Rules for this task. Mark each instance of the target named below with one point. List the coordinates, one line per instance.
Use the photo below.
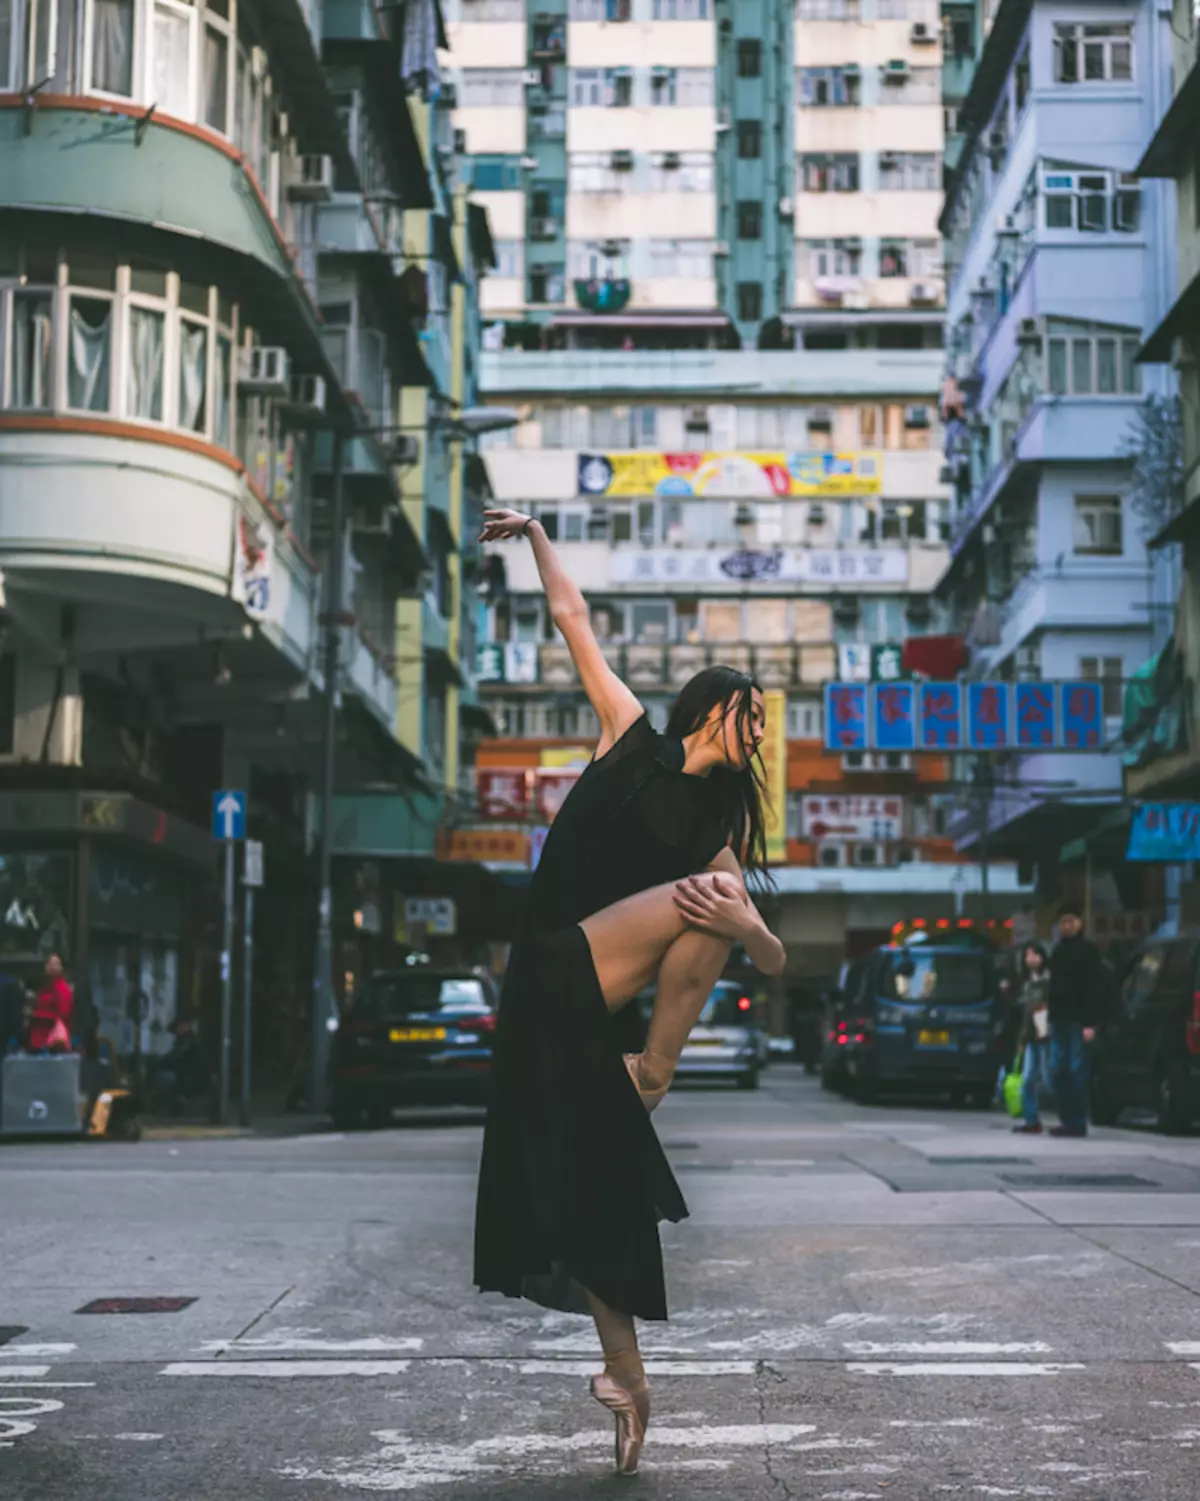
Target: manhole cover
(11, 1331)
(1077, 1180)
(136, 1305)
(981, 1161)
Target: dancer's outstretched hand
(499, 525)
(717, 905)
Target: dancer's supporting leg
(644, 938)
(622, 1388)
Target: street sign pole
(226, 983)
(252, 876)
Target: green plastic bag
(1012, 1088)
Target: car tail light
(1193, 1026)
(485, 1023)
(744, 1003)
(843, 1039)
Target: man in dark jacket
(1079, 992)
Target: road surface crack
(762, 1370)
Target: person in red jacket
(53, 1011)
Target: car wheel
(1105, 1109)
(1174, 1113)
(748, 1080)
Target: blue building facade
(1058, 262)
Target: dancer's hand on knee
(716, 906)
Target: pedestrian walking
(53, 1011)
(1078, 1005)
(639, 882)
(1033, 1036)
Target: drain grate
(11, 1331)
(136, 1305)
(981, 1161)
(1078, 1180)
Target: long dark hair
(1037, 948)
(743, 788)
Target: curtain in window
(6, 35)
(172, 60)
(193, 376)
(224, 436)
(89, 336)
(32, 346)
(216, 79)
(112, 46)
(144, 385)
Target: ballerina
(639, 882)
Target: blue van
(926, 1016)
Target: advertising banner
(774, 758)
(846, 716)
(253, 555)
(858, 818)
(828, 567)
(1168, 832)
(735, 475)
(894, 716)
(977, 716)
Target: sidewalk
(267, 1118)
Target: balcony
(1074, 596)
(610, 295)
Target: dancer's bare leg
(622, 1358)
(644, 939)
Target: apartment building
(1059, 261)
(718, 312)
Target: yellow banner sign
(750, 476)
(774, 758)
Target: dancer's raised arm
(616, 705)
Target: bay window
(89, 352)
(145, 366)
(1085, 360)
(33, 343)
(112, 27)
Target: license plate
(417, 1034)
(933, 1039)
(704, 1042)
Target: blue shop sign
(1166, 832)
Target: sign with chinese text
(551, 789)
(939, 707)
(489, 662)
(1082, 716)
(989, 725)
(737, 475)
(499, 846)
(858, 818)
(846, 717)
(887, 664)
(502, 792)
(894, 716)
(774, 759)
(854, 662)
(1036, 711)
(833, 567)
(1168, 832)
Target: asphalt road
(905, 1302)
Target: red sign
(553, 785)
(502, 792)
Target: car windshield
(722, 1010)
(386, 996)
(945, 978)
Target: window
(547, 284)
(112, 47)
(820, 173)
(911, 171)
(919, 86)
(893, 258)
(681, 172)
(1110, 672)
(749, 58)
(494, 88)
(145, 374)
(749, 139)
(1021, 81)
(827, 10)
(749, 219)
(600, 88)
(681, 10)
(821, 88)
(1093, 202)
(749, 301)
(1093, 54)
(960, 40)
(593, 172)
(510, 258)
(682, 258)
(597, 10)
(32, 350)
(831, 258)
(605, 260)
(1082, 360)
(495, 174)
(662, 86)
(1098, 526)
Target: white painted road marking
(279, 1369)
(1186, 1347)
(11, 1372)
(962, 1368)
(946, 1347)
(296, 1344)
(35, 1352)
(653, 1367)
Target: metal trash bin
(40, 1094)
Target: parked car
(925, 1016)
(836, 1030)
(412, 1037)
(1150, 1053)
(727, 1041)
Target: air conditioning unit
(531, 77)
(695, 419)
(856, 761)
(306, 395)
(816, 515)
(264, 370)
(895, 70)
(892, 761)
(888, 160)
(544, 229)
(820, 420)
(528, 163)
(404, 449)
(859, 302)
(670, 161)
(997, 142)
(721, 247)
(868, 856)
(918, 416)
(923, 291)
(309, 179)
(744, 515)
(621, 161)
(787, 208)
(724, 120)
(1028, 333)
(831, 856)
(922, 34)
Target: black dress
(573, 1180)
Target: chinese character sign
(846, 716)
(1082, 716)
(941, 716)
(887, 664)
(1036, 710)
(988, 719)
(894, 716)
(1165, 831)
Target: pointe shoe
(650, 1098)
(631, 1413)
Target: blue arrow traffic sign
(229, 814)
